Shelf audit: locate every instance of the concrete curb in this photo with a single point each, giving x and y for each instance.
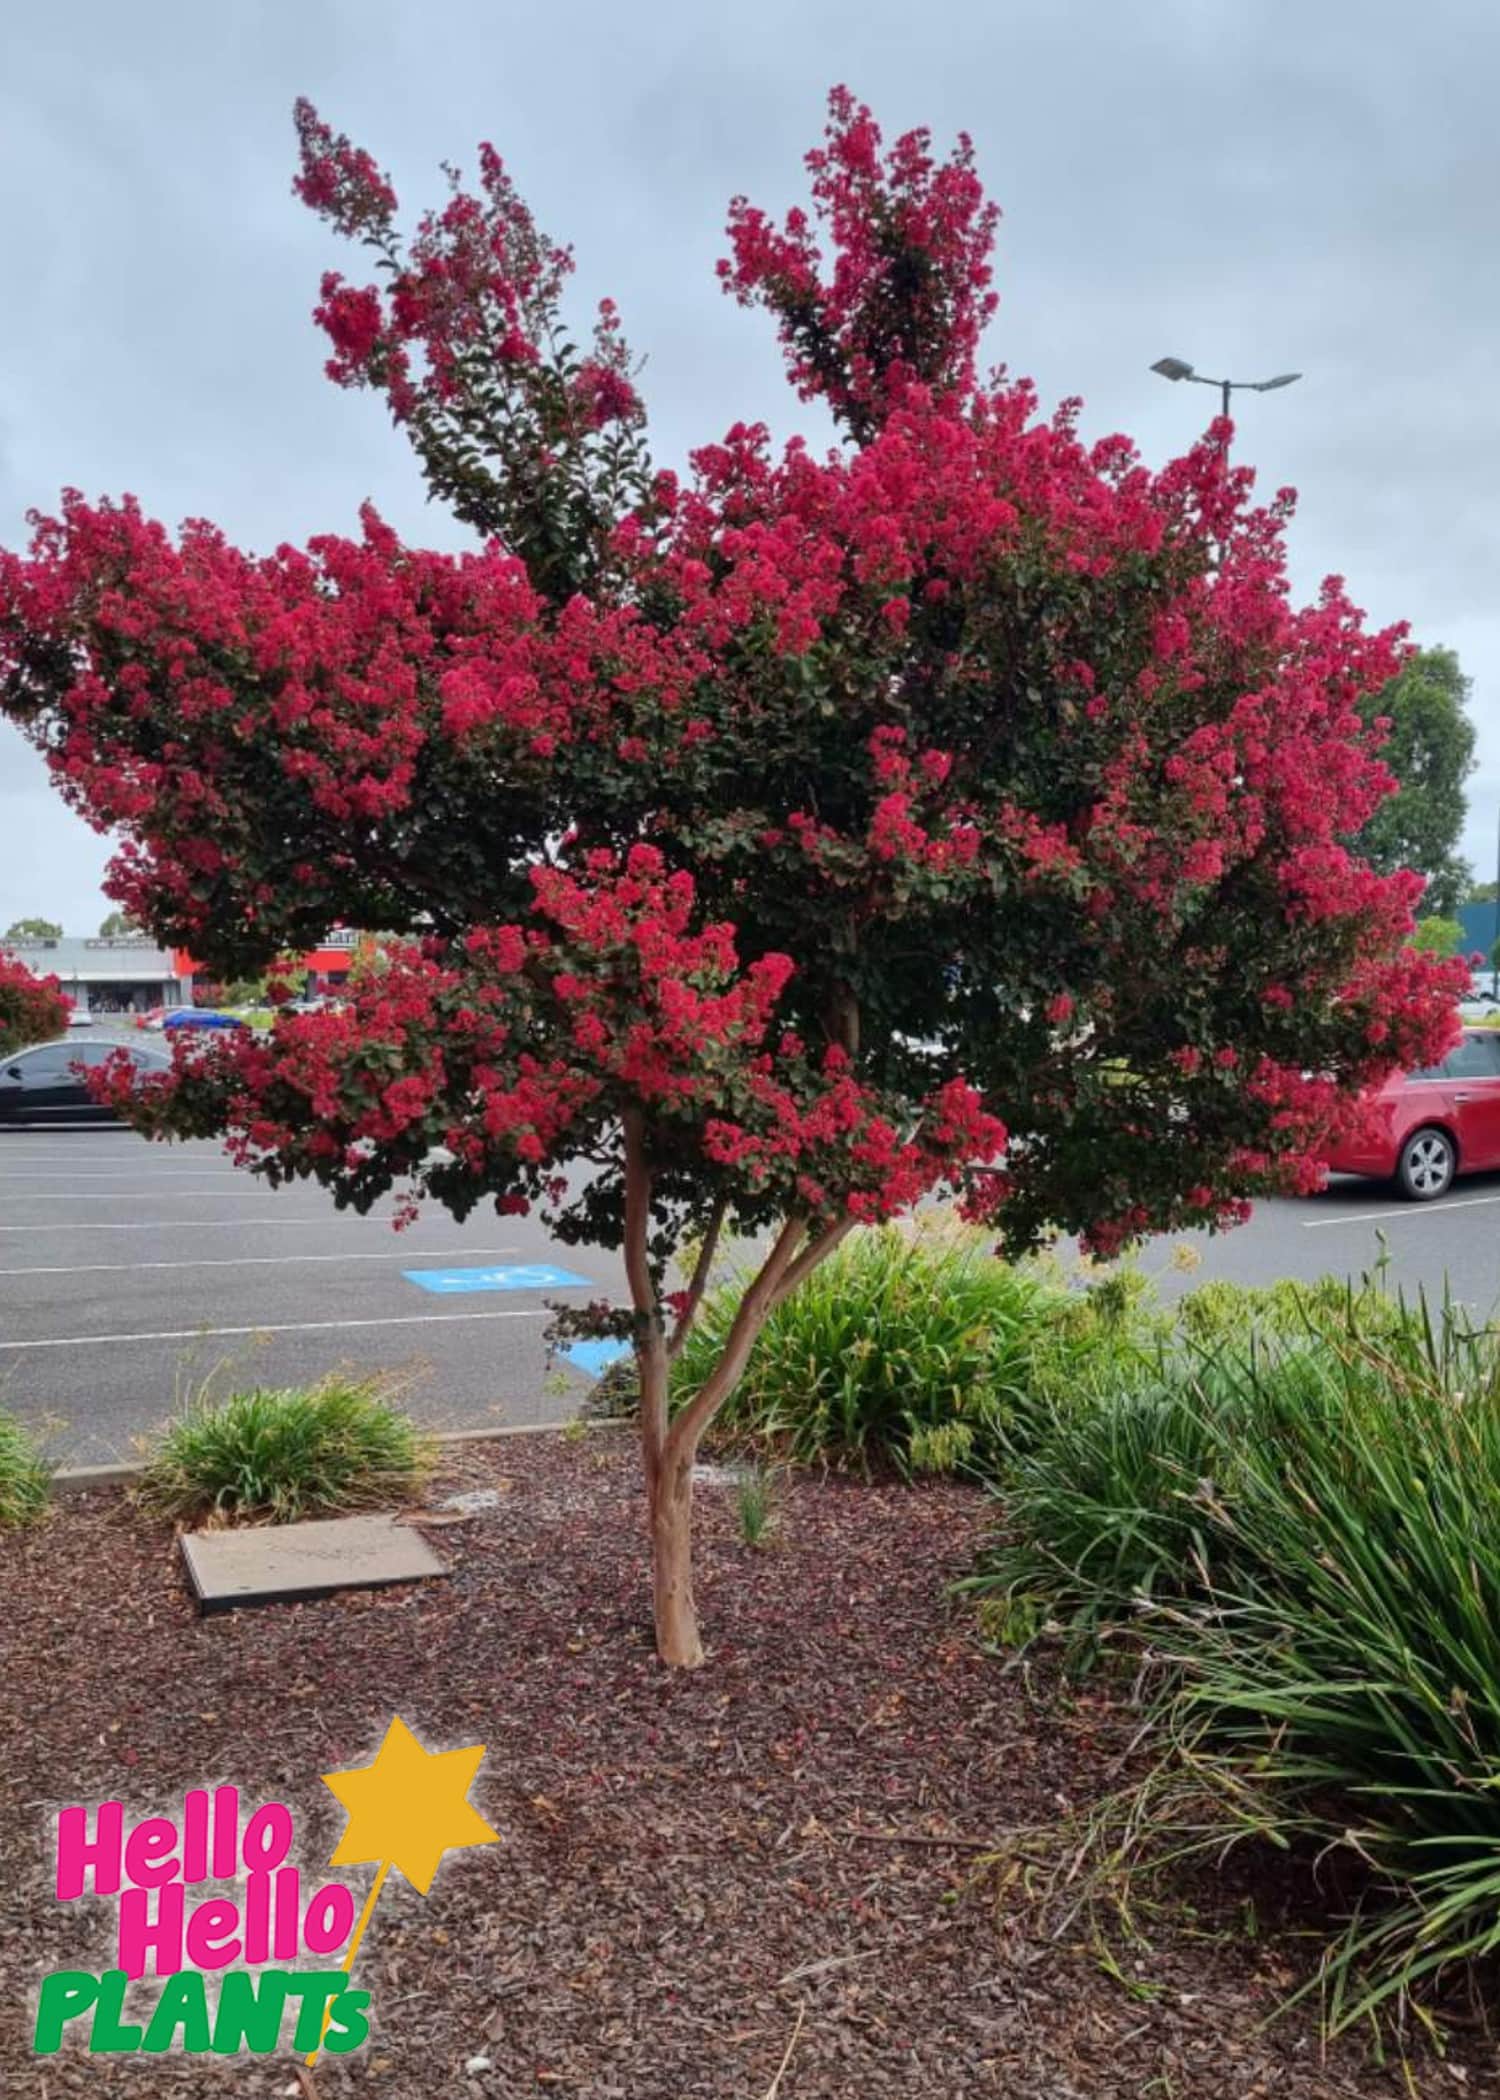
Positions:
(72, 1480)
(77, 1480)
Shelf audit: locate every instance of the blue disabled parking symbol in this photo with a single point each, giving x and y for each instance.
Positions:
(594, 1358)
(523, 1276)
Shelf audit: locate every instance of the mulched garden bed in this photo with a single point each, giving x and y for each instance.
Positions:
(697, 1872)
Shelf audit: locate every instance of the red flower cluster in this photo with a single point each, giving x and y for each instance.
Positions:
(466, 341)
(526, 1043)
(908, 292)
(481, 278)
(32, 1008)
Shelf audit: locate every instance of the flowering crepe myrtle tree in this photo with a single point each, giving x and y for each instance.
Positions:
(765, 845)
(32, 1008)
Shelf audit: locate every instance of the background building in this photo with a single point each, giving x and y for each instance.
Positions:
(327, 965)
(1480, 929)
(100, 976)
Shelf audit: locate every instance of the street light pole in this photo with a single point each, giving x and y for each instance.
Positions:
(1179, 368)
(1495, 951)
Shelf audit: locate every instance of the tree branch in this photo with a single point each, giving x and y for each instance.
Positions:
(689, 1426)
(815, 1251)
(699, 1282)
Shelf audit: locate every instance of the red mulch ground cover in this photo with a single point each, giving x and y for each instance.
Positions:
(697, 1871)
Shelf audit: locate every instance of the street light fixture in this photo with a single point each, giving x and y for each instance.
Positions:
(1179, 368)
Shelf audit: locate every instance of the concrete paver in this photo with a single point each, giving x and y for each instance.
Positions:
(285, 1563)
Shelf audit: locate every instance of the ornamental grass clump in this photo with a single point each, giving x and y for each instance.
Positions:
(1298, 1536)
(278, 1456)
(755, 1506)
(1114, 1476)
(917, 1350)
(1340, 1681)
(1106, 1504)
(24, 1481)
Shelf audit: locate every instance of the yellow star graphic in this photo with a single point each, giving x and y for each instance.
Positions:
(409, 1806)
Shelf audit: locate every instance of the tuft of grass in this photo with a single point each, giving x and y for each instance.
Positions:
(1105, 1506)
(25, 1484)
(278, 1456)
(1114, 1492)
(755, 1506)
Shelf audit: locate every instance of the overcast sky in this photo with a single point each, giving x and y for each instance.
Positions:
(1257, 186)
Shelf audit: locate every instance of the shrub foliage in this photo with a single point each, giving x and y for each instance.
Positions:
(284, 1455)
(24, 1482)
(1302, 1529)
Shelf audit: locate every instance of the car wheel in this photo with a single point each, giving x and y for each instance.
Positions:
(1428, 1162)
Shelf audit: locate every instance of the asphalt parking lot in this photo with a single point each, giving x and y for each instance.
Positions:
(1346, 1231)
(131, 1273)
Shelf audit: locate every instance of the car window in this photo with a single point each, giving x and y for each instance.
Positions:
(93, 1054)
(1477, 1057)
(46, 1067)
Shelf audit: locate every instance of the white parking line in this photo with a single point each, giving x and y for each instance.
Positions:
(151, 1161)
(1407, 1210)
(169, 1155)
(448, 1258)
(205, 1334)
(318, 1224)
(131, 1195)
(173, 1174)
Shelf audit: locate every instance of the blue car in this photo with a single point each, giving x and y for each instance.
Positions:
(200, 1017)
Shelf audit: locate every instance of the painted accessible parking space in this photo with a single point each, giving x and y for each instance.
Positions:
(593, 1359)
(518, 1276)
(132, 1275)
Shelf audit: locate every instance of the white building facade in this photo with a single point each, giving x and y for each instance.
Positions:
(127, 976)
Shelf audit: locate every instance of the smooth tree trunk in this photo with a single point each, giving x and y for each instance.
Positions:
(678, 1641)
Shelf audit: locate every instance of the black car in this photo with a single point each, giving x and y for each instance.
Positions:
(44, 1084)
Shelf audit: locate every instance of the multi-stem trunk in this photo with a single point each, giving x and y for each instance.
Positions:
(669, 1444)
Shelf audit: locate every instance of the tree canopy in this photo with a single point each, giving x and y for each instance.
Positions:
(33, 930)
(1430, 750)
(959, 812)
(1438, 936)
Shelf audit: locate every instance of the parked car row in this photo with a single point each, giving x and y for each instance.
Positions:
(159, 1019)
(1424, 1129)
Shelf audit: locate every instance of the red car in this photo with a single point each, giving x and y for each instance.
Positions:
(1427, 1126)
